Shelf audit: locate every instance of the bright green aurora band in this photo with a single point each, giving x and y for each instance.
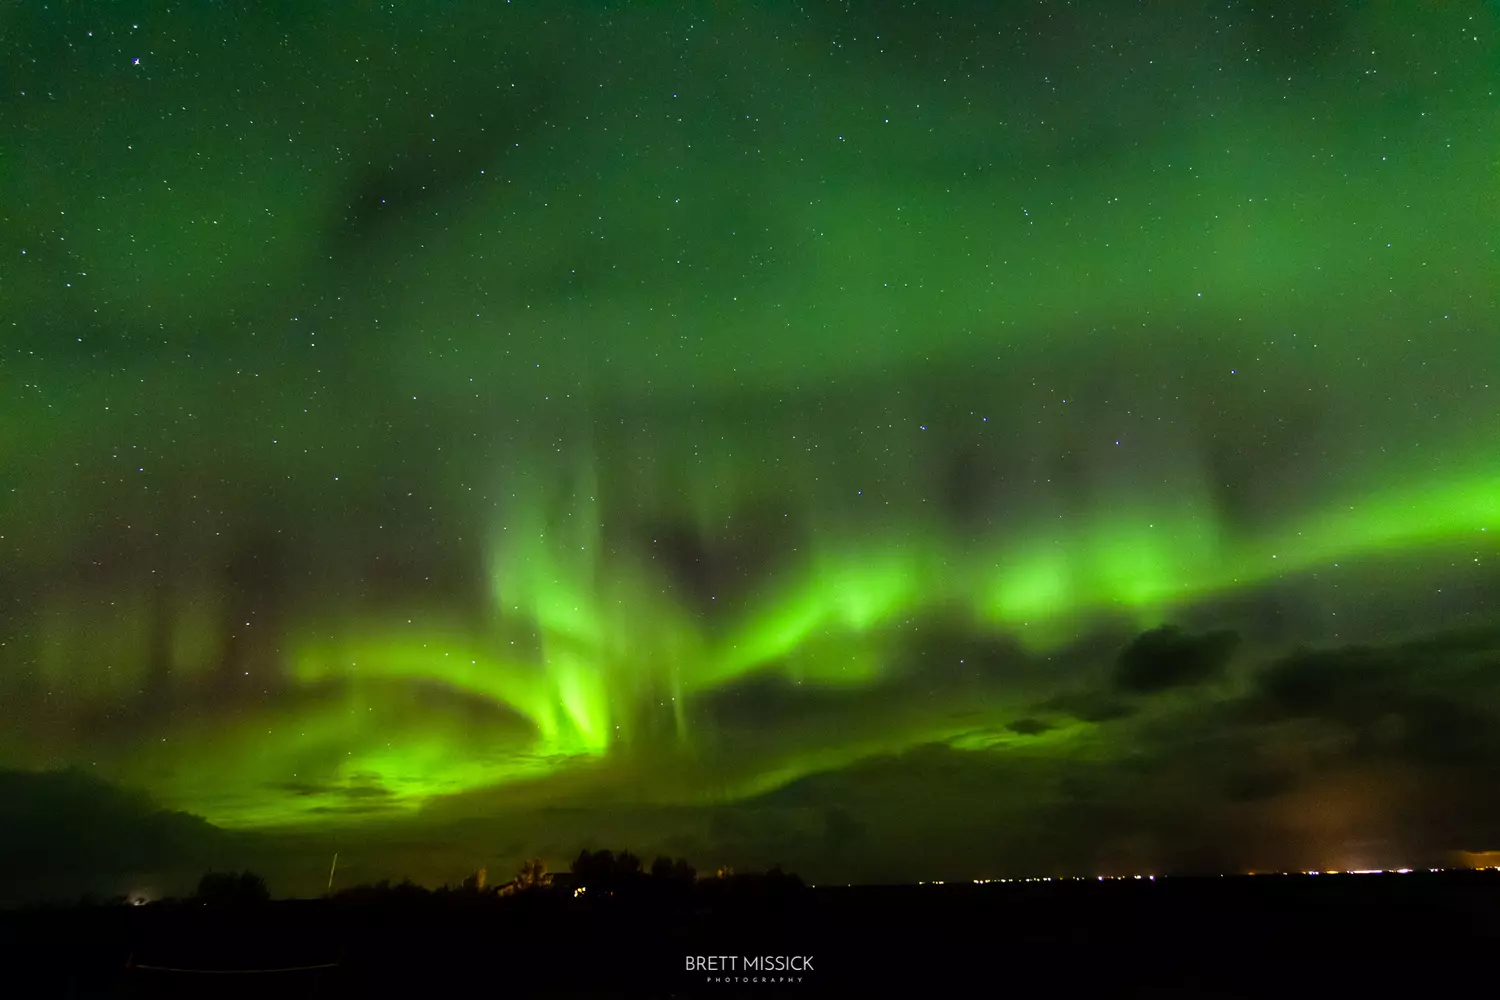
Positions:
(779, 393)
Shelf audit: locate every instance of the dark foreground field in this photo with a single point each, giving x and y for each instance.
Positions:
(1261, 936)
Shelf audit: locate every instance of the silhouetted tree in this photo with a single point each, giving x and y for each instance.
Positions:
(608, 871)
(771, 887)
(593, 866)
(477, 882)
(232, 888)
(531, 874)
(780, 881)
(383, 893)
(667, 870)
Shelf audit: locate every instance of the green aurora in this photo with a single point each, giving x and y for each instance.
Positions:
(411, 417)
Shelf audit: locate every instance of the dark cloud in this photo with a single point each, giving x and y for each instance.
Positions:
(1431, 702)
(1168, 657)
(1345, 683)
(1089, 706)
(1029, 727)
(64, 832)
(363, 796)
(350, 809)
(1252, 784)
(842, 829)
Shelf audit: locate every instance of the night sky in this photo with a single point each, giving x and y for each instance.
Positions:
(895, 441)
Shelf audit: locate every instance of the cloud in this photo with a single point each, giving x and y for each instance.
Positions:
(1168, 657)
(365, 795)
(1433, 702)
(1089, 706)
(63, 832)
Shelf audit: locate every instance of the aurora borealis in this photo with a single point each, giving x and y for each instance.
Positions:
(449, 433)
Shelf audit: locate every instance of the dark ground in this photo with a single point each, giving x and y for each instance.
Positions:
(1260, 936)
